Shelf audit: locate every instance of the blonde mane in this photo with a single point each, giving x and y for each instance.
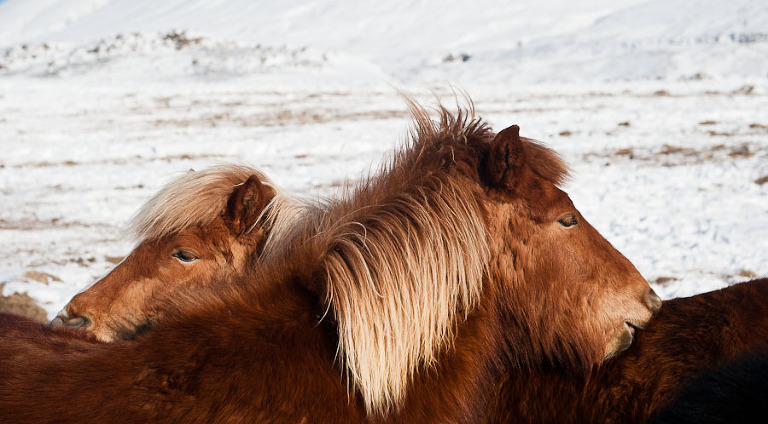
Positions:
(282, 217)
(195, 198)
(405, 259)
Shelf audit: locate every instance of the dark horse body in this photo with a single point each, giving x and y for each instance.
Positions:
(689, 337)
(406, 302)
(736, 393)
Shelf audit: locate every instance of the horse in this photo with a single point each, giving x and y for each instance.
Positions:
(678, 345)
(732, 393)
(404, 300)
(689, 338)
(201, 227)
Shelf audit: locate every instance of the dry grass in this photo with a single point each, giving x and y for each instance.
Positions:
(21, 304)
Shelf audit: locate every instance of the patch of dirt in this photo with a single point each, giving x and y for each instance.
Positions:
(29, 224)
(663, 281)
(747, 273)
(459, 57)
(114, 259)
(118, 161)
(745, 89)
(181, 40)
(84, 262)
(671, 150)
(275, 118)
(669, 155)
(742, 150)
(722, 133)
(5, 225)
(40, 277)
(21, 304)
(311, 116)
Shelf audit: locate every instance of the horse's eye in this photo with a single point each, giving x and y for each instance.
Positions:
(185, 256)
(568, 221)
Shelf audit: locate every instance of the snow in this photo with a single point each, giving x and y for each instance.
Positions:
(659, 106)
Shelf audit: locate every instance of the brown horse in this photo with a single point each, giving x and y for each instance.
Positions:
(203, 227)
(405, 301)
(689, 337)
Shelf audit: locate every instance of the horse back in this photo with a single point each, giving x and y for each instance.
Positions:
(690, 336)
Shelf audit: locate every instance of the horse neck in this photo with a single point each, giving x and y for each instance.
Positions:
(269, 338)
(465, 375)
(466, 371)
(535, 396)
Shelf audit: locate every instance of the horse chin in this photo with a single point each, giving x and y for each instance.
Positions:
(624, 336)
(122, 332)
(128, 333)
(105, 336)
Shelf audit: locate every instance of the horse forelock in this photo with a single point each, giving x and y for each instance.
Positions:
(545, 162)
(405, 255)
(194, 198)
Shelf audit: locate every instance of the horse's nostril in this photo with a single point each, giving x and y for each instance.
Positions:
(74, 322)
(57, 322)
(79, 322)
(653, 301)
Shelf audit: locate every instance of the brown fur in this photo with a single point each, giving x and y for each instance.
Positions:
(688, 337)
(509, 292)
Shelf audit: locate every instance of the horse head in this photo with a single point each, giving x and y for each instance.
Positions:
(465, 241)
(575, 298)
(205, 227)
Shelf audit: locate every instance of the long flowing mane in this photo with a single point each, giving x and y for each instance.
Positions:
(395, 315)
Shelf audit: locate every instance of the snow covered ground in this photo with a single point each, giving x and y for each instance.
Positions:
(659, 106)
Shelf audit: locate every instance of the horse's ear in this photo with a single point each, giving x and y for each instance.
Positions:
(505, 158)
(246, 204)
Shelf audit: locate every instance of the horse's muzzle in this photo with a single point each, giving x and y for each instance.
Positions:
(75, 322)
(653, 301)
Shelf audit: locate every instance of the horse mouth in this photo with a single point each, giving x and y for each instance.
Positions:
(632, 331)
